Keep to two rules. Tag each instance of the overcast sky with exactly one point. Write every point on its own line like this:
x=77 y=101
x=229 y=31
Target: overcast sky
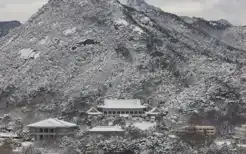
x=232 y=10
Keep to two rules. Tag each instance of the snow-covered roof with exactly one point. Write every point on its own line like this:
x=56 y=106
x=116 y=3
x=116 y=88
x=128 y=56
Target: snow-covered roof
x=241 y=145
x=144 y=125
x=153 y=111
x=8 y=135
x=221 y=142
x=93 y=111
x=106 y=129
x=122 y=104
x=172 y=136
x=205 y=127
x=52 y=123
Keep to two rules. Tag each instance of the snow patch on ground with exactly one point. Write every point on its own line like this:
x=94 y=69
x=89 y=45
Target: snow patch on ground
x=69 y=31
x=33 y=39
x=44 y=41
x=138 y=29
x=40 y=23
x=121 y=22
x=213 y=23
x=35 y=55
x=241 y=145
x=82 y=3
x=26 y=144
x=172 y=136
x=17 y=150
x=189 y=20
x=221 y=142
x=25 y=53
x=28 y=53
x=7 y=135
x=145 y=21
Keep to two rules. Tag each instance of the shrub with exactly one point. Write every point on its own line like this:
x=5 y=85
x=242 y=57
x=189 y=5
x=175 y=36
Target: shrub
x=30 y=150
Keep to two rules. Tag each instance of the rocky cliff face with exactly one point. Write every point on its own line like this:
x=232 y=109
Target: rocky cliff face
x=5 y=26
x=74 y=53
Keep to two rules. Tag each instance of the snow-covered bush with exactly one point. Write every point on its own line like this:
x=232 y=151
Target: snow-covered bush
x=134 y=132
x=6 y=120
x=119 y=121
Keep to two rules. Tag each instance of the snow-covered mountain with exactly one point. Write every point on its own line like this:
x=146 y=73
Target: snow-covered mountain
x=5 y=26
x=222 y=30
x=74 y=53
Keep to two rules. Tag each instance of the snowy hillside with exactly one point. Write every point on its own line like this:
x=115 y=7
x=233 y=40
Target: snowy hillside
x=72 y=54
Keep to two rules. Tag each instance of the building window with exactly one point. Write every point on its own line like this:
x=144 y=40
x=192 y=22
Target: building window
x=41 y=137
x=105 y=112
x=127 y=112
x=140 y=112
x=114 y=112
x=131 y=112
x=41 y=130
x=46 y=130
x=136 y=112
x=52 y=130
x=118 y=112
x=122 y=112
x=109 y=112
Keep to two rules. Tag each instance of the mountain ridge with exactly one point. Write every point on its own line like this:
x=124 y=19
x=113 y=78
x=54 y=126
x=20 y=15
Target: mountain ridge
x=6 y=26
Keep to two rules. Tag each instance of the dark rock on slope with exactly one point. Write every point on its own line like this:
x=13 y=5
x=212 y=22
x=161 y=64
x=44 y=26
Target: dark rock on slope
x=139 y=51
x=5 y=26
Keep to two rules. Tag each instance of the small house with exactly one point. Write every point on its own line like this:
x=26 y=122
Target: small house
x=115 y=107
x=193 y=130
x=107 y=130
x=51 y=128
x=207 y=130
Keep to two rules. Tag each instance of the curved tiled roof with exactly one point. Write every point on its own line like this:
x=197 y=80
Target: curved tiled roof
x=52 y=123
x=122 y=104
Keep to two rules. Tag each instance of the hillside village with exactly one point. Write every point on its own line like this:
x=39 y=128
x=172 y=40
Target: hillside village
x=110 y=119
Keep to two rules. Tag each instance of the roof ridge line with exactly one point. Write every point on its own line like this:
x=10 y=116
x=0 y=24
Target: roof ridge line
x=60 y=121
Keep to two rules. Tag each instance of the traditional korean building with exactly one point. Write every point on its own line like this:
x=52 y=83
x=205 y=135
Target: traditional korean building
x=93 y=111
x=153 y=112
x=51 y=128
x=148 y=107
x=115 y=107
x=107 y=130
